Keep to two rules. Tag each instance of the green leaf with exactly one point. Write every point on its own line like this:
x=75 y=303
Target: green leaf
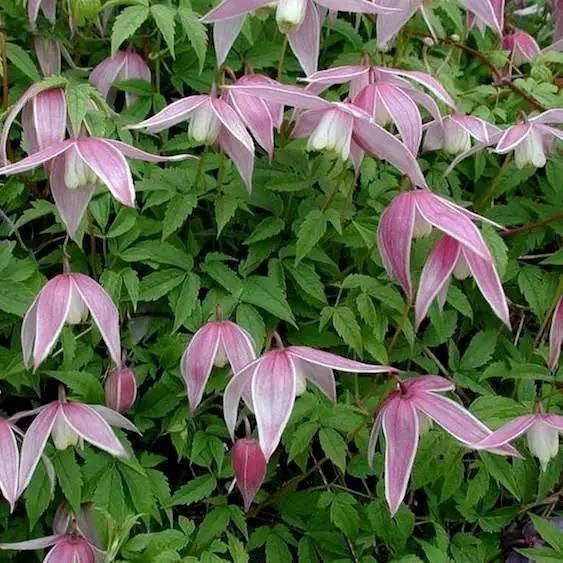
x=22 y=61
x=213 y=525
x=159 y=252
x=480 y=350
x=126 y=24
x=499 y=469
x=223 y=275
x=548 y=532
x=68 y=476
x=158 y=284
x=15 y=298
x=187 y=300
x=131 y=281
x=277 y=550
x=266 y=294
x=310 y=233
x=179 y=208
x=251 y=320
x=334 y=447
x=195 y=490
x=269 y=227
x=37 y=495
x=532 y=284
x=164 y=19
x=196 y=33
x=301 y=438
x=307 y=279
x=347 y=327
x=77 y=99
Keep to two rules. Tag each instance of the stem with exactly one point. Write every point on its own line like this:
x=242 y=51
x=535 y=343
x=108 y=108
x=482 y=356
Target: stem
x=282 y=57
x=486 y=198
x=400 y=326
x=349 y=198
x=335 y=189
x=92 y=243
x=532 y=226
x=277 y=340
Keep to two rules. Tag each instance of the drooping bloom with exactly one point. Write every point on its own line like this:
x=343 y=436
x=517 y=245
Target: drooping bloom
x=48 y=53
x=124 y=65
x=71 y=540
x=401 y=416
x=542 y=430
x=69 y=423
x=48 y=7
x=388 y=96
x=454 y=133
x=413 y=214
x=532 y=139
x=556 y=336
x=212 y=120
x=68 y=298
x=9 y=462
x=120 y=389
x=451 y=258
x=214 y=344
x=389 y=25
x=498 y=7
x=249 y=465
x=276 y=378
x=77 y=165
x=338 y=127
x=522 y=46
x=301 y=20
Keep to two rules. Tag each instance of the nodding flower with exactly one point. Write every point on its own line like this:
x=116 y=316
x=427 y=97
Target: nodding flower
x=556 y=336
x=120 y=389
x=249 y=466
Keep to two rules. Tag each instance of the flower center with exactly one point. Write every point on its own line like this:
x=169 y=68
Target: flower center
x=530 y=151
x=77 y=173
x=290 y=14
x=77 y=312
x=422 y=228
x=332 y=134
x=456 y=138
x=205 y=125
x=63 y=435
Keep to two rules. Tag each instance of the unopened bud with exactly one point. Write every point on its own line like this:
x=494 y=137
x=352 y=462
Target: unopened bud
x=121 y=389
x=455 y=37
x=428 y=41
x=249 y=465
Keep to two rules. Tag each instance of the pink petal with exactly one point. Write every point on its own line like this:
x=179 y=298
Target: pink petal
x=48 y=53
x=104 y=312
x=53 y=305
x=305 y=40
x=113 y=418
x=231 y=8
x=172 y=114
x=485 y=11
x=554 y=116
x=249 y=466
x=9 y=463
x=237 y=345
x=240 y=154
x=400 y=426
x=273 y=396
x=374 y=435
x=38 y=543
x=34 y=443
x=71 y=203
x=426 y=383
x=388 y=26
x=358 y=6
x=508 y=432
x=92 y=427
x=232 y=123
x=556 y=336
x=380 y=143
x=436 y=274
x=476 y=127
x=34 y=160
x=394 y=238
x=107 y=72
x=138 y=154
x=135 y=67
x=425 y=100
x=110 y=166
x=225 y=33
x=306 y=123
x=28 y=331
x=338 y=75
x=553 y=420
x=433 y=136
x=488 y=281
x=512 y=137
x=198 y=360
x=321 y=376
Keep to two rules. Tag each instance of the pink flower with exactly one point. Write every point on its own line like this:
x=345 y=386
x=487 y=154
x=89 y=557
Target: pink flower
x=273 y=381
x=48 y=53
x=214 y=344
x=388 y=96
x=300 y=19
x=69 y=423
x=48 y=7
x=121 y=389
x=212 y=120
x=542 y=430
x=522 y=46
x=498 y=7
x=413 y=214
x=450 y=257
x=556 y=336
x=404 y=412
x=337 y=127
x=249 y=465
x=454 y=133
x=124 y=65
x=68 y=298
x=9 y=462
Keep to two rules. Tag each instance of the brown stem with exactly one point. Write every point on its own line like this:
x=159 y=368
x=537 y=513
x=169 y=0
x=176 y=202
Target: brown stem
x=532 y=226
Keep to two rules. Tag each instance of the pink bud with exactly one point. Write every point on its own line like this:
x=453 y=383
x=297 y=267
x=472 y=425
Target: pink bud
x=249 y=465
x=121 y=389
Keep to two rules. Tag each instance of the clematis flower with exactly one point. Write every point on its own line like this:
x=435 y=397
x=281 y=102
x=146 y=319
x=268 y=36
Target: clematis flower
x=412 y=214
x=124 y=65
x=300 y=19
x=276 y=378
x=48 y=53
x=69 y=542
x=69 y=423
x=48 y=7
x=389 y=25
x=454 y=133
x=450 y=257
x=532 y=139
x=522 y=46
x=542 y=430
x=401 y=416
x=338 y=127
x=214 y=344
x=249 y=466
x=77 y=165
x=68 y=298
x=120 y=389
x=556 y=336
x=9 y=462
x=388 y=96
x=480 y=24
x=212 y=120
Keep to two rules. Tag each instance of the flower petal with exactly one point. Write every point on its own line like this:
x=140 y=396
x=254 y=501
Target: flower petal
x=554 y=116
x=512 y=137
x=556 y=336
x=38 y=543
x=553 y=420
x=485 y=11
x=476 y=127
x=9 y=463
x=237 y=344
x=107 y=72
x=49 y=115
x=28 y=331
x=374 y=436
x=358 y=6
x=104 y=312
x=400 y=426
x=92 y=427
x=305 y=40
x=240 y=154
x=424 y=383
x=321 y=376
x=388 y=26
x=113 y=418
x=36 y=159
x=338 y=75
x=225 y=33
x=230 y=8
x=508 y=432
x=138 y=154
x=273 y=396
x=249 y=466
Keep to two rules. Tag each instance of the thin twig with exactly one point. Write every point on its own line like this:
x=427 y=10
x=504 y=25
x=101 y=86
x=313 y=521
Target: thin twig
x=532 y=226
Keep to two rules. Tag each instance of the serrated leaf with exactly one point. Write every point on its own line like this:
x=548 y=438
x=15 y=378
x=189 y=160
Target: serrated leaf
x=187 y=300
x=307 y=279
x=310 y=233
x=37 y=495
x=196 y=32
x=159 y=252
x=15 y=298
x=126 y=24
x=164 y=18
x=334 y=447
x=131 y=281
x=77 y=98
x=269 y=227
x=347 y=327
x=549 y=533
x=480 y=350
x=195 y=490
x=179 y=208
x=68 y=476
x=266 y=294
x=302 y=438
x=223 y=275
x=156 y=285
x=213 y=525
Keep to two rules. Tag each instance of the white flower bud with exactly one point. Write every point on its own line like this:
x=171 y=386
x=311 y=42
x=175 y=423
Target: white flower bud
x=382 y=116
x=221 y=359
x=63 y=435
x=543 y=441
x=428 y=41
x=333 y=133
x=530 y=151
x=424 y=423
x=300 y=380
x=461 y=269
x=77 y=173
x=205 y=125
x=455 y=37
x=422 y=228
x=456 y=138
x=77 y=312
x=290 y=14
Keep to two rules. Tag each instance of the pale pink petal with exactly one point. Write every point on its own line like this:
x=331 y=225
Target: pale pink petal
x=232 y=122
x=28 y=331
x=553 y=420
x=435 y=275
x=25 y=414
x=240 y=154
x=512 y=137
x=508 y=432
x=358 y=6
x=104 y=312
x=550 y=116
x=48 y=53
x=425 y=100
x=28 y=127
x=305 y=40
x=92 y=427
x=38 y=543
x=53 y=306
x=110 y=166
x=488 y=281
x=34 y=160
x=485 y=11
x=230 y=8
x=34 y=443
x=321 y=376
x=9 y=463
x=400 y=426
x=225 y=33
x=388 y=26
x=428 y=383
x=556 y=336
x=433 y=136
x=374 y=435
x=172 y=114
x=273 y=396
x=107 y=72
x=338 y=75
x=135 y=68
x=113 y=418
x=237 y=345
x=306 y=123
x=198 y=360
x=138 y=154
x=394 y=238
x=71 y=203
x=476 y=127
x=249 y=466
